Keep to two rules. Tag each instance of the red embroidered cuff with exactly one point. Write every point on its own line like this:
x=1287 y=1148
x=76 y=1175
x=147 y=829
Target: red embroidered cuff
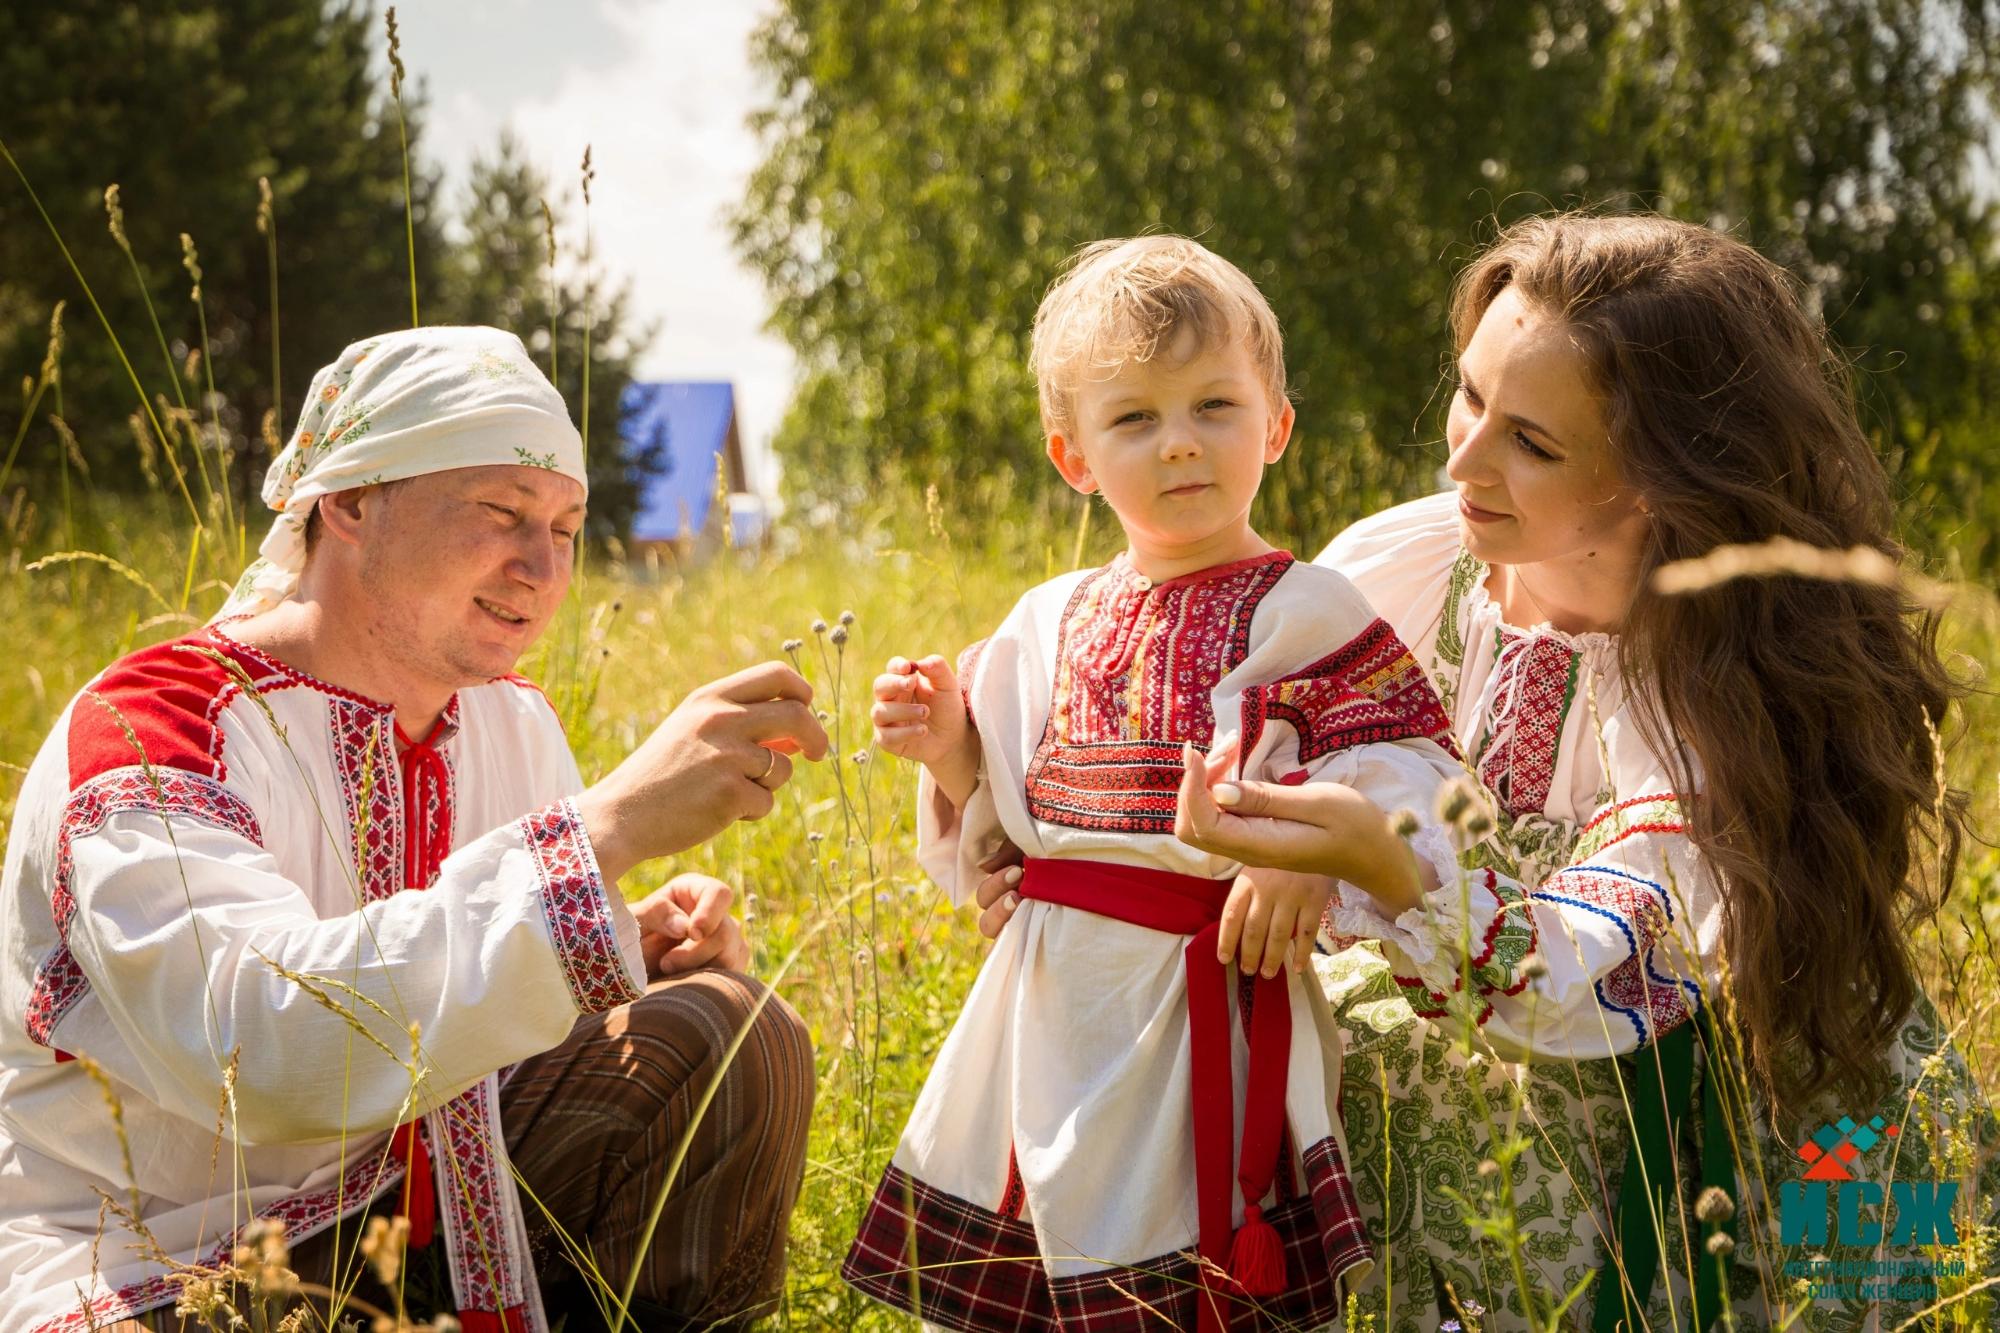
x=577 y=904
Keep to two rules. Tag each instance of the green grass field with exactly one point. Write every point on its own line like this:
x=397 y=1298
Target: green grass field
x=861 y=944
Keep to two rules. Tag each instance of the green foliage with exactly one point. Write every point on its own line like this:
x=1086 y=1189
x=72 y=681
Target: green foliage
x=923 y=182
x=184 y=104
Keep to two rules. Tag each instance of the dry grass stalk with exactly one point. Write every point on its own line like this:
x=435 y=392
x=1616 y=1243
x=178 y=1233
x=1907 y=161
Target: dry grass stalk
x=1785 y=555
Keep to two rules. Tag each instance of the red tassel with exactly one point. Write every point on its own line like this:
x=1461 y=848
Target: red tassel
x=1257 y=1256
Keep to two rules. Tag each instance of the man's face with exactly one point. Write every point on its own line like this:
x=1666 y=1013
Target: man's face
x=464 y=569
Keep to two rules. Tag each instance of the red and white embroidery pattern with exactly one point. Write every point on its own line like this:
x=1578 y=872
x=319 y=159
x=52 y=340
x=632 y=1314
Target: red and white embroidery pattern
x=364 y=752
x=469 y=1181
x=1370 y=691
x=1653 y=1000
x=578 y=912
x=1136 y=663
x=1520 y=766
x=170 y=793
x=301 y=1214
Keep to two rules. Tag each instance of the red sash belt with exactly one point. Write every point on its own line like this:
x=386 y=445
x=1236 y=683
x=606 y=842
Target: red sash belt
x=1252 y=1257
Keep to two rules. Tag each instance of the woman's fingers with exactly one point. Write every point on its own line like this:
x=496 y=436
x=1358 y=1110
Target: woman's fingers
x=1195 y=812
x=997 y=898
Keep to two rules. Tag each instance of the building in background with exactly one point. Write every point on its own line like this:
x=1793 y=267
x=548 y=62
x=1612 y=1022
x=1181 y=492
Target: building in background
x=701 y=498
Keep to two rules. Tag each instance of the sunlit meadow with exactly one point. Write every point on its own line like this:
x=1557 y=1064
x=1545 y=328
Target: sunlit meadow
x=849 y=929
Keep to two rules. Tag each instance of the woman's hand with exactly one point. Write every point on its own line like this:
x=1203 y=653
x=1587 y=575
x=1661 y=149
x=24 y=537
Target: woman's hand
x=1318 y=828
x=996 y=894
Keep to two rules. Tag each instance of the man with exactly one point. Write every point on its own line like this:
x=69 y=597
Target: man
x=315 y=898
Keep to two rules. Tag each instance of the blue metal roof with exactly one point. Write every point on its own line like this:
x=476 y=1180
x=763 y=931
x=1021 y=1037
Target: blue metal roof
x=690 y=420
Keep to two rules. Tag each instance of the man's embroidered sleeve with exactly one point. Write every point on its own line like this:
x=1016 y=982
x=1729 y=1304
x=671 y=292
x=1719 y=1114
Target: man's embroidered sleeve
x=180 y=936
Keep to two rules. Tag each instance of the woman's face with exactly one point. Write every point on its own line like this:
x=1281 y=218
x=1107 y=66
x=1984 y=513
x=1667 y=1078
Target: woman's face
x=1530 y=452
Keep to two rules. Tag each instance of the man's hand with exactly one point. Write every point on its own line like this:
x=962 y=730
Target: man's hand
x=717 y=758
x=919 y=714
x=686 y=924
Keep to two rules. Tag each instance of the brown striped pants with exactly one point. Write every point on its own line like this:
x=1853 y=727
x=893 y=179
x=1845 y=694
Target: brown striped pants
x=592 y=1126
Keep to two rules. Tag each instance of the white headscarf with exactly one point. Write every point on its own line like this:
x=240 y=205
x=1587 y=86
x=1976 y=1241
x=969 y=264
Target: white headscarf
x=403 y=405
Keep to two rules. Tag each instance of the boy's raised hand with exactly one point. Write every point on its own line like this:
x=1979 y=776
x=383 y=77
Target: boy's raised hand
x=919 y=713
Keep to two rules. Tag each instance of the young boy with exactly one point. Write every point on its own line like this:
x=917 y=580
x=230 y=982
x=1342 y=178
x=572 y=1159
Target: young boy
x=1076 y=1139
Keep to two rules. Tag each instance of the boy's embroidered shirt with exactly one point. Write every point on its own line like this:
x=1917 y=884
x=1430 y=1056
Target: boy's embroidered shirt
x=203 y=817
x=1073 y=1047
x=1085 y=694
x=1590 y=867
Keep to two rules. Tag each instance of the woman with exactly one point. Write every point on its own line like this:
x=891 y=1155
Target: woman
x=1634 y=391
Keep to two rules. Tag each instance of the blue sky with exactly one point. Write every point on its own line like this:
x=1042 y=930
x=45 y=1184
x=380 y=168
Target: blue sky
x=659 y=89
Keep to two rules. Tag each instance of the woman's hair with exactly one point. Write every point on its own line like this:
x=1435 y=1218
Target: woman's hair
x=1798 y=717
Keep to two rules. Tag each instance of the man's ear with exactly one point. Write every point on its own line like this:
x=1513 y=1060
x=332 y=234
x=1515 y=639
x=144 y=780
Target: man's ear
x=1281 y=434
x=343 y=513
x=1069 y=462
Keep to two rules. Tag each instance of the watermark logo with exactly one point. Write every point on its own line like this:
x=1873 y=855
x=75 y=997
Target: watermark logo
x=1922 y=1211
x=1834 y=1145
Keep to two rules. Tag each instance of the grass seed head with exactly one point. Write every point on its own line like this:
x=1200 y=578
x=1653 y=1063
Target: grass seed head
x=114 y=212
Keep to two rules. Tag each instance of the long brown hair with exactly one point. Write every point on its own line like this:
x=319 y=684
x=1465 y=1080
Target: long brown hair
x=1810 y=708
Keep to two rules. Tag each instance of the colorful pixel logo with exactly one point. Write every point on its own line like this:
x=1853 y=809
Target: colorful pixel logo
x=1833 y=1146
x=1921 y=1213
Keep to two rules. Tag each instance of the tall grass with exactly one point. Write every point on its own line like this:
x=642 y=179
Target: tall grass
x=858 y=940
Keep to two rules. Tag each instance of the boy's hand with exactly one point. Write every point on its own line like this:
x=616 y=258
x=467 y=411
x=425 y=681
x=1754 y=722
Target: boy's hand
x=1271 y=918
x=919 y=712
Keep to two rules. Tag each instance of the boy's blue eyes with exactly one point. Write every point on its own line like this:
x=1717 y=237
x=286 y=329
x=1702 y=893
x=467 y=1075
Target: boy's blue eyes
x=1210 y=404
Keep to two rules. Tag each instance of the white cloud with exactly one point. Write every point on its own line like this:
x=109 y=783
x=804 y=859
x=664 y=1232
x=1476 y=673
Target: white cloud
x=662 y=105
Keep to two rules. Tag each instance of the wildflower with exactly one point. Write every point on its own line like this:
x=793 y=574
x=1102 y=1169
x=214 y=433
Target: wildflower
x=860 y=758
x=1489 y=1167
x=847 y=618
x=1533 y=966
x=1472 y=1309
x=1458 y=800
x=792 y=645
x=382 y=1245
x=839 y=636
x=1714 y=1205
x=1404 y=823
x=1721 y=1245
x=818 y=626
x=815 y=836
x=1450 y=1326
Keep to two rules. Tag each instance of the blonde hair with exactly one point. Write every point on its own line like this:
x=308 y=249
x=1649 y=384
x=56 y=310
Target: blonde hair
x=1125 y=300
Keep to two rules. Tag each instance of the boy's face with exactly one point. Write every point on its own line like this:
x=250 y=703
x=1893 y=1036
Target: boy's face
x=1177 y=445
